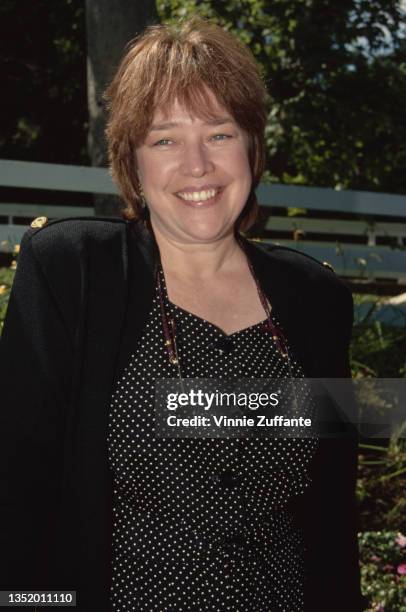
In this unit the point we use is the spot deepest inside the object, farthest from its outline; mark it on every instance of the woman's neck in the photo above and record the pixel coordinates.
(199, 261)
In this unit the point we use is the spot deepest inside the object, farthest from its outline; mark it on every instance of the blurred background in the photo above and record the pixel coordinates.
(334, 187)
(336, 76)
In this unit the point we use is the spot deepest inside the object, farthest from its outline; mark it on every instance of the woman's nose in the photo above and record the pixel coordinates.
(196, 160)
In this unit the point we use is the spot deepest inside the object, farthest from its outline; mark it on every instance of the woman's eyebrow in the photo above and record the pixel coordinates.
(167, 126)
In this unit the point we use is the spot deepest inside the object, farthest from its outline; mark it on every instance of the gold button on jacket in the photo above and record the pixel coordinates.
(328, 265)
(39, 222)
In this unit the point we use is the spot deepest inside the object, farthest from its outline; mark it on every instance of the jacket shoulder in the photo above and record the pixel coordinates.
(304, 267)
(61, 257)
(70, 234)
(79, 226)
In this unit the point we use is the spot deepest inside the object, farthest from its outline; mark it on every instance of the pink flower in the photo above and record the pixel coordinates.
(401, 540)
(402, 569)
(380, 608)
(388, 567)
(375, 558)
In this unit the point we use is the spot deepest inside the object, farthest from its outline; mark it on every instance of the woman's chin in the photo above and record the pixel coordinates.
(207, 232)
(194, 230)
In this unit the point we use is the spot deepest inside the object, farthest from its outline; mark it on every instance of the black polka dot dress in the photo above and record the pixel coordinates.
(203, 524)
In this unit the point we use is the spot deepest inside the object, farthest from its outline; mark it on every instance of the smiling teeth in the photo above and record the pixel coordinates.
(198, 196)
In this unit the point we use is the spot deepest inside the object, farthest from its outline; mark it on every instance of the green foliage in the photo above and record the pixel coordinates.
(336, 75)
(43, 65)
(377, 349)
(6, 280)
(381, 484)
(383, 561)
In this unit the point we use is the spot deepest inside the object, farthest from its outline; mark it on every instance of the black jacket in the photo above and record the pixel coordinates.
(81, 296)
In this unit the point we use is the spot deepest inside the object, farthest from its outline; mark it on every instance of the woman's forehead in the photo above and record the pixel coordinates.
(204, 106)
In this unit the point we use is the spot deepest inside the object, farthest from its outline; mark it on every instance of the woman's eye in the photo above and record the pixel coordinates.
(221, 136)
(163, 141)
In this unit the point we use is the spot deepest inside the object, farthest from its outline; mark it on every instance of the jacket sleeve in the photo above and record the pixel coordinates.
(35, 365)
(331, 522)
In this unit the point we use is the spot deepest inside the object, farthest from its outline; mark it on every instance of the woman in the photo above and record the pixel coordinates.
(102, 308)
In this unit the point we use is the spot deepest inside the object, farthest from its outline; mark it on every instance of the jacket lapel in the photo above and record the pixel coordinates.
(143, 257)
(284, 287)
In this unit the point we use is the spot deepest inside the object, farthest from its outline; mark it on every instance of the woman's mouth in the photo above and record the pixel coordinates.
(200, 198)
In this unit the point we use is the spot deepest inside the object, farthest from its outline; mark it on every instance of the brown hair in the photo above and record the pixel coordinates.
(169, 61)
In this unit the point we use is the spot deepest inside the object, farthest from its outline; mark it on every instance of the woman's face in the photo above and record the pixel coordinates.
(195, 174)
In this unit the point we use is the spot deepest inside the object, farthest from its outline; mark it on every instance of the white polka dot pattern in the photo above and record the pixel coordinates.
(203, 524)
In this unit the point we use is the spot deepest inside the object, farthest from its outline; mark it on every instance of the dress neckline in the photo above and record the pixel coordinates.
(175, 308)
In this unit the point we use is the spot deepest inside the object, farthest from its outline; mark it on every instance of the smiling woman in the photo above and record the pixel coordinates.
(102, 310)
(198, 71)
(196, 179)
